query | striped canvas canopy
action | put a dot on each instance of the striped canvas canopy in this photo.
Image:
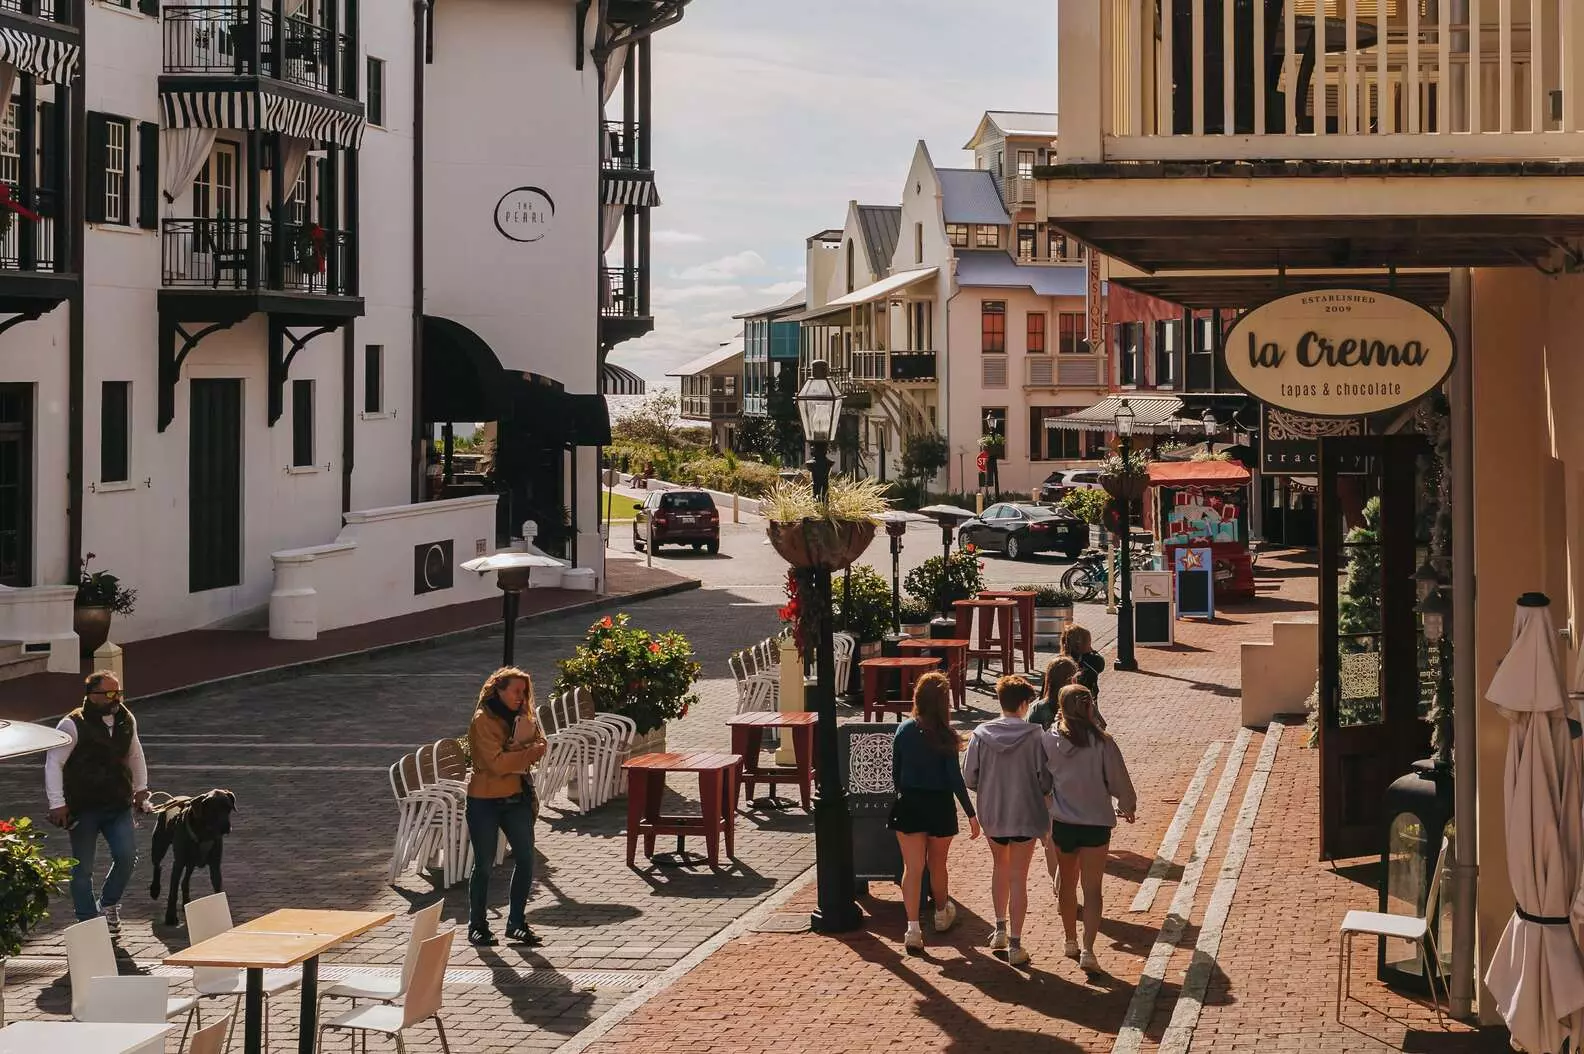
(260, 110)
(629, 191)
(44, 57)
(621, 381)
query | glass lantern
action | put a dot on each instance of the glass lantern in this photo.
(1418, 809)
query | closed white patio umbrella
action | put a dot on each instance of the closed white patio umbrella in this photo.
(1537, 971)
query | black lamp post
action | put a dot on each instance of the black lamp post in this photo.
(1211, 427)
(1435, 612)
(1125, 659)
(819, 406)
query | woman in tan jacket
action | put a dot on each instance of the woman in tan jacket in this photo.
(505, 741)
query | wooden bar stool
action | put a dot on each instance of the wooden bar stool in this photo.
(1024, 639)
(992, 639)
(911, 668)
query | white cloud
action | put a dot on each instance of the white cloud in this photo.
(736, 265)
(676, 238)
(785, 288)
(666, 295)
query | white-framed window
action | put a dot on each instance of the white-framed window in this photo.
(215, 188)
(987, 236)
(115, 172)
(10, 155)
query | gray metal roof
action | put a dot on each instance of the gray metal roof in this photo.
(795, 302)
(992, 267)
(1152, 415)
(881, 226)
(1013, 122)
(969, 195)
(707, 363)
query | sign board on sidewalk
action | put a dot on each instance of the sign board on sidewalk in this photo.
(1195, 570)
(1153, 626)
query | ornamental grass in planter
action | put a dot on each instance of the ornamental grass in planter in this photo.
(823, 535)
(1125, 478)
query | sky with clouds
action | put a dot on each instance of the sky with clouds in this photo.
(770, 116)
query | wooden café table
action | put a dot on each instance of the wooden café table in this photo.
(717, 776)
(1024, 638)
(911, 667)
(747, 732)
(992, 638)
(278, 941)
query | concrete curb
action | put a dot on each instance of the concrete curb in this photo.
(601, 1026)
(287, 671)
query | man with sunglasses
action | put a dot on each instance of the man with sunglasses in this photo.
(92, 784)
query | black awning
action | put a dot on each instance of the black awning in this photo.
(462, 378)
(589, 421)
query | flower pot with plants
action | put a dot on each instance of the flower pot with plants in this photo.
(28, 878)
(827, 535)
(916, 618)
(100, 596)
(994, 445)
(1125, 478)
(861, 606)
(1053, 613)
(959, 576)
(648, 677)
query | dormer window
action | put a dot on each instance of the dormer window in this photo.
(987, 236)
(957, 235)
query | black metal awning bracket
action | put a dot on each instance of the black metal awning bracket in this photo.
(280, 360)
(32, 314)
(171, 358)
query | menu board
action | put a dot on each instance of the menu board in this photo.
(1152, 609)
(1194, 570)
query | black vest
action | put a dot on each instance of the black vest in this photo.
(96, 773)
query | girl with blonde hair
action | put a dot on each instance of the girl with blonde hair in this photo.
(505, 741)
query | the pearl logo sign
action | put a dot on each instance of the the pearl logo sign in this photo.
(433, 567)
(1339, 352)
(524, 214)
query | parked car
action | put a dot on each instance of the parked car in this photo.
(1058, 483)
(677, 517)
(1021, 529)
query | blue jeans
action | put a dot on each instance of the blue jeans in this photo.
(486, 816)
(116, 826)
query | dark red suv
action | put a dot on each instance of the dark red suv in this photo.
(677, 517)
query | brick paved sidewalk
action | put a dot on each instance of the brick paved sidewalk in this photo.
(1271, 987)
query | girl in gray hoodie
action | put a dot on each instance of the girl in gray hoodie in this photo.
(1005, 764)
(1087, 773)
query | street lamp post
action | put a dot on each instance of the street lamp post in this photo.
(1211, 427)
(819, 406)
(1125, 659)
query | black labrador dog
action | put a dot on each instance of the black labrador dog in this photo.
(194, 829)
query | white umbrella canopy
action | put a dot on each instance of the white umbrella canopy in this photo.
(23, 737)
(1537, 971)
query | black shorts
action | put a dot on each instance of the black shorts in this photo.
(1071, 837)
(924, 812)
(1009, 841)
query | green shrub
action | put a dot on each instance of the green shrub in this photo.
(28, 879)
(915, 613)
(648, 678)
(1088, 505)
(726, 474)
(1048, 596)
(867, 614)
(963, 573)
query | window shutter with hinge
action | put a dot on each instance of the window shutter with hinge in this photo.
(97, 127)
(149, 7)
(148, 175)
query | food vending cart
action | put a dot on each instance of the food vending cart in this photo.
(1204, 504)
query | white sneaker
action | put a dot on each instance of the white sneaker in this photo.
(999, 942)
(1088, 962)
(1018, 956)
(913, 941)
(112, 916)
(1071, 950)
(946, 918)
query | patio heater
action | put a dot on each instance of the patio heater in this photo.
(512, 571)
(948, 516)
(819, 406)
(895, 523)
(1125, 659)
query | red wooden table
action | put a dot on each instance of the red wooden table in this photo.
(747, 732)
(1024, 638)
(717, 774)
(910, 668)
(992, 639)
(950, 650)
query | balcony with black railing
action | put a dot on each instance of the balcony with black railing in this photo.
(57, 11)
(625, 297)
(221, 40)
(623, 149)
(241, 255)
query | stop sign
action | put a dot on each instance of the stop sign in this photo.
(983, 461)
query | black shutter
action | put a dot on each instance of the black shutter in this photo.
(98, 128)
(302, 423)
(48, 162)
(149, 7)
(114, 418)
(148, 175)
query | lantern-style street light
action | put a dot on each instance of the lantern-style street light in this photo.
(1125, 660)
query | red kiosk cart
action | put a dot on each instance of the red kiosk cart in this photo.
(1200, 504)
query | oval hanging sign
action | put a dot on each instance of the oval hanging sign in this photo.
(1339, 352)
(524, 214)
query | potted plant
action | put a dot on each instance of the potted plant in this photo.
(100, 596)
(827, 535)
(647, 677)
(27, 879)
(993, 444)
(916, 618)
(1127, 477)
(1053, 613)
(959, 577)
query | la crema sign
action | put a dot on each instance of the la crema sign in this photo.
(1339, 352)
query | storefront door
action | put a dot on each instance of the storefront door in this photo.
(1371, 725)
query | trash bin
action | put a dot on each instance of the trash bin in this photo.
(866, 771)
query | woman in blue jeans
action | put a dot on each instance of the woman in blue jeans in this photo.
(505, 741)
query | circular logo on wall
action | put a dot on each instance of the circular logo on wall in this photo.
(524, 214)
(1339, 352)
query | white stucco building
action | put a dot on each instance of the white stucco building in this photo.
(247, 271)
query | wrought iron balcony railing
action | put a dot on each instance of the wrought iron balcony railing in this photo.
(623, 295)
(29, 245)
(219, 40)
(289, 257)
(47, 10)
(622, 149)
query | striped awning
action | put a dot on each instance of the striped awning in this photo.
(623, 190)
(44, 57)
(260, 110)
(621, 381)
(1152, 415)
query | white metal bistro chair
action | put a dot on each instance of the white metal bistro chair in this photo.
(90, 956)
(209, 917)
(1419, 930)
(420, 1003)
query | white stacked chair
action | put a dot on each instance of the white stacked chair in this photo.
(845, 647)
(625, 730)
(449, 769)
(566, 762)
(427, 823)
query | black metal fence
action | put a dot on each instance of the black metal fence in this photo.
(290, 257)
(27, 245)
(48, 10)
(220, 40)
(623, 148)
(623, 294)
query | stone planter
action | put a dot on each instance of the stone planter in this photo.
(92, 626)
(1049, 623)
